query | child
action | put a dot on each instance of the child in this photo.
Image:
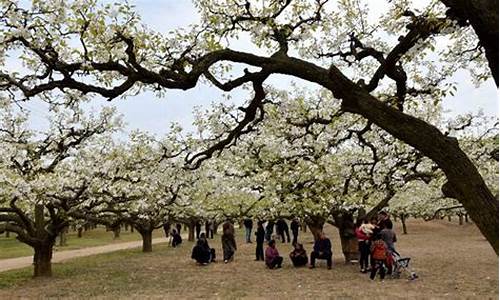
(176, 238)
(379, 256)
(273, 258)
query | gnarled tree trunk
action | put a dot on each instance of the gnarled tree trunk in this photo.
(344, 221)
(42, 260)
(315, 225)
(147, 239)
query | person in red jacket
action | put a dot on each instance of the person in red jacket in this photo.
(379, 256)
(273, 258)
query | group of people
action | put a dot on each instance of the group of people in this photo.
(376, 239)
(322, 249)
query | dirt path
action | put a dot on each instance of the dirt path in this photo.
(26, 261)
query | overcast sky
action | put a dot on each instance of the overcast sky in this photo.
(146, 112)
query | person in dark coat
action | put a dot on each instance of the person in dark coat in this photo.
(259, 239)
(228, 242)
(176, 238)
(282, 230)
(322, 250)
(202, 252)
(197, 227)
(298, 255)
(269, 230)
(295, 226)
(248, 223)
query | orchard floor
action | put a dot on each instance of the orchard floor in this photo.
(453, 262)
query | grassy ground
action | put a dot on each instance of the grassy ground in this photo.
(10, 247)
(452, 261)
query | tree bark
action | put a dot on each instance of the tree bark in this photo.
(315, 225)
(460, 219)
(449, 218)
(344, 221)
(483, 17)
(116, 232)
(7, 234)
(42, 260)
(147, 239)
(80, 232)
(466, 218)
(403, 222)
(63, 237)
(191, 231)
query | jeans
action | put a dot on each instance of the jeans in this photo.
(364, 253)
(248, 234)
(378, 265)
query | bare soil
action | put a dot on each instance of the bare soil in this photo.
(452, 261)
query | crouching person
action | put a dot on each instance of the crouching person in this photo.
(298, 255)
(273, 258)
(322, 250)
(202, 252)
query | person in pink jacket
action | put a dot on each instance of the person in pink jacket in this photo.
(363, 237)
(273, 258)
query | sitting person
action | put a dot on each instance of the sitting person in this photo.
(202, 252)
(322, 250)
(273, 258)
(176, 238)
(298, 255)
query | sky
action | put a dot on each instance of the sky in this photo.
(149, 113)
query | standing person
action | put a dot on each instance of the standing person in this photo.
(228, 242)
(259, 239)
(282, 230)
(295, 226)
(379, 256)
(166, 229)
(248, 229)
(273, 258)
(388, 235)
(176, 238)
(197, 227)
(269, 230)
(298, 255)
(211, 228)
(178, 226)
(363, 245)
(322, 250)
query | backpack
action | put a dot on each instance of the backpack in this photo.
(379, 251)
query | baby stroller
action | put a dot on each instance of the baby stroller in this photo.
(402, 264)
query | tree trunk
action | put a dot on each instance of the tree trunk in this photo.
(304, 227)
(449, 218)
(116, 232)
(344, 221)
(80, 232)
(315, 225)
(7, 234)
(147, 240)
(191, 231)
(466, 218)
(403, 222)
(42, 260)
(460, 219)
(63, 237)
(216, 227)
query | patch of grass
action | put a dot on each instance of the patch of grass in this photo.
(10, 247)
(435, 248)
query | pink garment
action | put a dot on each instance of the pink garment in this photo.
(271, 253)
(360, 235)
